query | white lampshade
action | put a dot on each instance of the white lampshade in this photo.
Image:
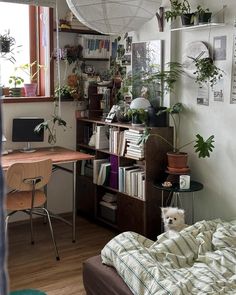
(114, 16)
(140, 103)
(3, 138)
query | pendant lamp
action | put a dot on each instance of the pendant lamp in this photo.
(114, 17)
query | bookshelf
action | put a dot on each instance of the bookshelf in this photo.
(133, 213)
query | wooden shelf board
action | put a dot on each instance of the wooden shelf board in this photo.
(95, 59)
(76, 31)
(86, 146)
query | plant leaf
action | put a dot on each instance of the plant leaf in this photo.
(204, 147)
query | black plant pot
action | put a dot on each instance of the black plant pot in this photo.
(157, 121)
(204, 18)
(187, 19)
(4, 46)
(136, 120)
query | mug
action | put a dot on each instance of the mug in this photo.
(184, 181)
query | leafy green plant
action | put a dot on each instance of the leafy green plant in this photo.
(177, 9)
(156, 81)
(202, 147)
(8, 47)
(73, 53)
(31, 69)
(206, 71)
(65, 91)
(200, 10)
(139, 116)
(15, 80)
(50, 126)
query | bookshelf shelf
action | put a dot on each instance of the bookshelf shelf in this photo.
(135, 212)
(76, 31)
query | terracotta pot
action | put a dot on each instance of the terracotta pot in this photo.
(30, 89)
(177, 160)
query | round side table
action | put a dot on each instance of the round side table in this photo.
(175, 192)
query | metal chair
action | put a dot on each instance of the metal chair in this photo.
(26, 180)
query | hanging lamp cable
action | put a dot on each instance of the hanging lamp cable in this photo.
(58, 61)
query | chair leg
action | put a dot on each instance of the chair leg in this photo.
(31, 227)
(52, 234)
(6, 224)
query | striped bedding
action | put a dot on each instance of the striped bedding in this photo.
(201, 259)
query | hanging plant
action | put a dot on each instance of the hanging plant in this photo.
(206, 71)
(73, 53)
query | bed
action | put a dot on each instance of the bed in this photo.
(201, 259)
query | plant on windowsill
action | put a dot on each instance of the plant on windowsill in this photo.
(32, 70)
(66, 92)
(206, 71)
(16, 81)
(182, 9)
(177, 160)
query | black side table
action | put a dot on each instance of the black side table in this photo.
(175, 192)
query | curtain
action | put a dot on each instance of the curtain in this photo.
(3, 272)
(48, 3)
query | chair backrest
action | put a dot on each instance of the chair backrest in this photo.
(18, 173)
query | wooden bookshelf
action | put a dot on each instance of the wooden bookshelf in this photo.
(133, 214)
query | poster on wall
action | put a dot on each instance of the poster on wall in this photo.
(219, 48)
(203, 95)
(218, 91)
(233, 75)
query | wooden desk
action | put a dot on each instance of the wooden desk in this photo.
(58, 155)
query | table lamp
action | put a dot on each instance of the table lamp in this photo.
(4, 152)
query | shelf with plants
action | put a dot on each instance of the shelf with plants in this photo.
(199, 27)
(77, 31)
(133, 212)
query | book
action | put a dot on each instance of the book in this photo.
(102, 141)
(103, 175)
(96, 168)
(128, 180)
(122, 171)
(140, 184)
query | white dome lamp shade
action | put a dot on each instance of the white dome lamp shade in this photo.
(114, 16)
(140, 103)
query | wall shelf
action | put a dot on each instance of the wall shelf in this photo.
(76, 31)
(199, 27)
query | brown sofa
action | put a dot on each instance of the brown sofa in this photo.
(100, 279)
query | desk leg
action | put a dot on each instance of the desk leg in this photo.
(74, 203)
(45, 189)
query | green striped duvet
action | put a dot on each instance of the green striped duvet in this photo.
(201, 259)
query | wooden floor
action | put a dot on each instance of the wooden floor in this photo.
(35, 266)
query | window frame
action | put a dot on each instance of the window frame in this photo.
(36, 53)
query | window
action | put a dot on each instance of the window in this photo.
(30, 26)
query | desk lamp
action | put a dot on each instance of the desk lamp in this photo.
(4, 152)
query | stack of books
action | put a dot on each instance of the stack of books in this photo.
(108, 207)
(132, 181)
(95, 46)
(134, 149)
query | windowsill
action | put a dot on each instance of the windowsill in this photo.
(26, 99)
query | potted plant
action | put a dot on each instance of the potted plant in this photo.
(203, 15)
(32, 70)
(50, 125)
(177, 160)
(73, 53)
(6, 42)
(65, 92)
(16, 81)
(182, 9)
(157, 82)
(138, 116)
(206, 71)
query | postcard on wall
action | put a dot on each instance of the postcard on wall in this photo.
(203, 95)
(218, 91)
(219, 51)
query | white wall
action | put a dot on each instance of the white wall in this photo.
(218, 199)
(60, 186)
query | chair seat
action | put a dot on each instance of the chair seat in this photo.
(22, 200)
